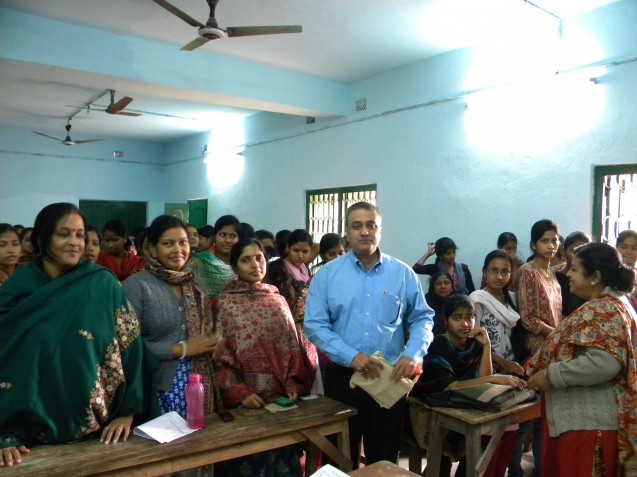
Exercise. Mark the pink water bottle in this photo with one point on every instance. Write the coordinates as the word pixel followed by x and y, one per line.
pixel 194 402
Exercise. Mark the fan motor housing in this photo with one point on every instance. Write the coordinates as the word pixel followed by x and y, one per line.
pixel 212 33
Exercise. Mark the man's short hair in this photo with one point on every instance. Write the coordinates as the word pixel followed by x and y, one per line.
pixel 360 206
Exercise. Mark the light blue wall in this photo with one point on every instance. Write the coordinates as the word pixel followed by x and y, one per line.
pixel 436 175
pixel 35 171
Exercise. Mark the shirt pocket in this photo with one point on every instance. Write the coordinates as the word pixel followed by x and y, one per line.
pixel 392 310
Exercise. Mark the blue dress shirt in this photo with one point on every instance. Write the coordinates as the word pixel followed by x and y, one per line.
pixel 351 310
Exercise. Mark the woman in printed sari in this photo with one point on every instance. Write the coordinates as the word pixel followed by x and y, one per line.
pixel 69 345
pixel 262 358
pixel 445 250
pixel 587 369
pixel 174 314
pixel 214 268
pixel 291 277
pixel 118 256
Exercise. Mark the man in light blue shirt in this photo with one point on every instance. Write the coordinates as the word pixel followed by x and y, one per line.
pixel 358 304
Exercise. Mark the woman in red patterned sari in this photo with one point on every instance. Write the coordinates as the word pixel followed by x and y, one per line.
pixel 587 369
pixel 262 358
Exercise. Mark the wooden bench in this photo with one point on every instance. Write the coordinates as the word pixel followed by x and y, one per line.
pixel 474 423
pixel 252 431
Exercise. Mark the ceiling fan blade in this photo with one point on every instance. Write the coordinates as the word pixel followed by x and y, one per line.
pixel 83 141
pixel 50 137
pixel 126 113
pixel 115 108
pixel 263 30
pixel 176 11
pixel 196 43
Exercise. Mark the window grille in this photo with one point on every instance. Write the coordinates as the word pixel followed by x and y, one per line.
pixel 615 201
pixel 326 208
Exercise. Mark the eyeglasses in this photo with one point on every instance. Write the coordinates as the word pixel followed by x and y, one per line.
pixel 499 273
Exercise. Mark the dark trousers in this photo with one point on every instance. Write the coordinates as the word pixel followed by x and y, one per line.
pixel 378 427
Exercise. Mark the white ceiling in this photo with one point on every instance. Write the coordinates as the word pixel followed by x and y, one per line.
pixel 342 40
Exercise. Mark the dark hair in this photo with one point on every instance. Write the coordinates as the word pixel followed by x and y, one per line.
pixel 207 231
pixel 443 245
pixel 506 237
pixel 246 230
pixel 496 254
pixel 300 236
pixel 576 237
pixel 23 233
pixel 456 301
pixel 360 206
pixel 139 238
pixel 435 277
pixel 505 256
pixel 281 241
pixel 227 221
pixel 264 234
pixel 160 225
pixel 329 241
pixel 4 228
pixel 116 226
pixel 538 229
pixel 45 224
pixel 623 235
pixel 90 228
pixel 237 249
pixel 605 259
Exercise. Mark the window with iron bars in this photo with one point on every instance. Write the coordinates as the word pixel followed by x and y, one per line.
pixel 326 208
pixel 614 201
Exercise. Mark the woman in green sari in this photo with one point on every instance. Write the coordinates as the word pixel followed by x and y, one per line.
pixel 214 268
pixel 70 345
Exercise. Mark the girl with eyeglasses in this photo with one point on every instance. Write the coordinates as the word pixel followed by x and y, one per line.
pixel 496 310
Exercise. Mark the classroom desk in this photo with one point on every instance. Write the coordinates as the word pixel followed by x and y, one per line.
pixel 252 431
pixel 474 423
pixel 382 469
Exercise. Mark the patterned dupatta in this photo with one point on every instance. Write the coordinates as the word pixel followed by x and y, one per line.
pixel 198 321
pixel 459 282
pixel 608 323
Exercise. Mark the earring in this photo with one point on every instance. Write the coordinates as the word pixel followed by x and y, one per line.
pixel 593 283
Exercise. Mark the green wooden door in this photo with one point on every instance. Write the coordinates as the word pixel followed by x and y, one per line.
pixel 198 212
pixel 133 214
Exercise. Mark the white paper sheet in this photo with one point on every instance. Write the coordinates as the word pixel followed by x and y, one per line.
pixel 328 471
pixel 165 428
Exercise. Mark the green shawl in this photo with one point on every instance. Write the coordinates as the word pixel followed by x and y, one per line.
pixel 212 270
pixel 70 352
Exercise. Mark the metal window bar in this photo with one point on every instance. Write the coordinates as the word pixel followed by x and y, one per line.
pixel 619 205
pixel 326 209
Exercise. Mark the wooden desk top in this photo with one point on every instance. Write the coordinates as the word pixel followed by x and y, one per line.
pixel 382 469
pixel 90 457
pixel 525 412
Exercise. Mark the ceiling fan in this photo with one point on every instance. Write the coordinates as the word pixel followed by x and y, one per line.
pixel 117 107
pixel 212 31
pixel 67 141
